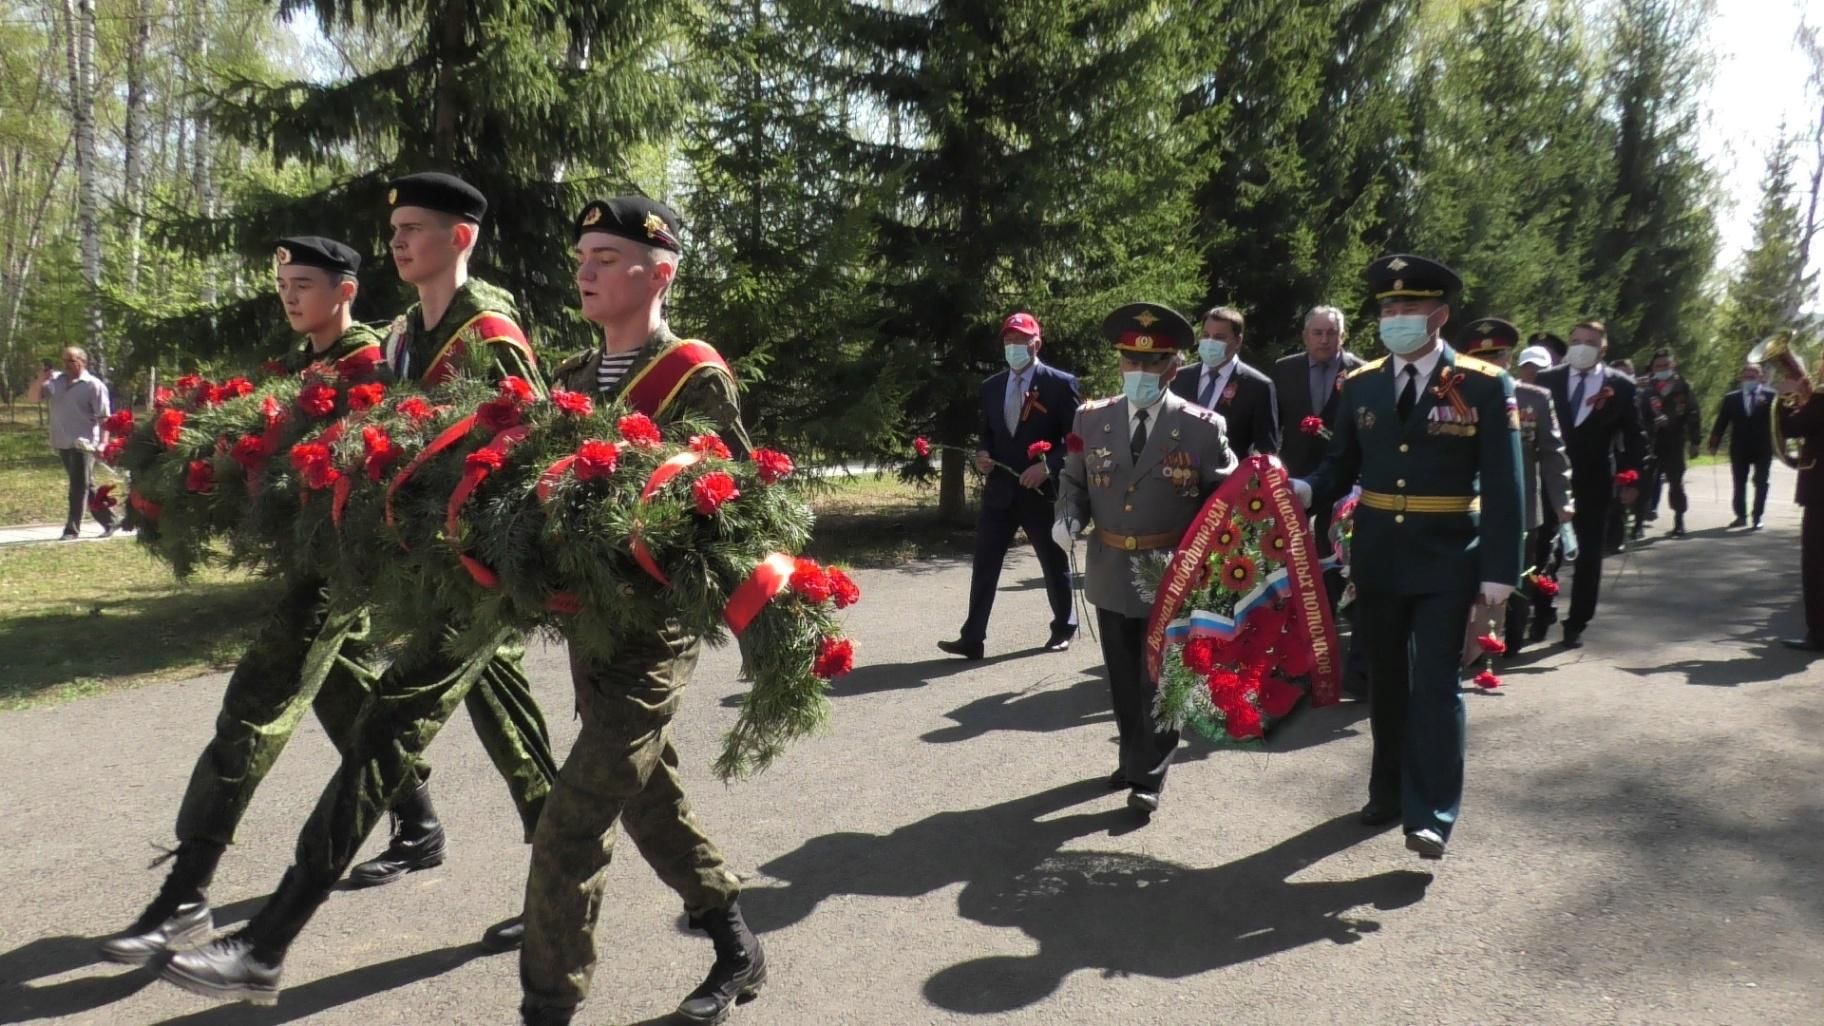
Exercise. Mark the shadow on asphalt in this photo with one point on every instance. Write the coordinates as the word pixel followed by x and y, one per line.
pixel 54 956
pixel 1114 913
pixel 320 995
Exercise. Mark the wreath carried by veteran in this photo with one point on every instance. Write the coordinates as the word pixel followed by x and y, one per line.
pixel 548 513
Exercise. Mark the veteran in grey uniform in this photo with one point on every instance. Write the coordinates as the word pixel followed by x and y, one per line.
pixel 1545 471
pixel 1146 461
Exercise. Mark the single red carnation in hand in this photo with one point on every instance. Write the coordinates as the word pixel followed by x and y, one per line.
pixel 120 422
pixel 638 429
pixel 921 447
pixel 576 404
pixel 835 657
pixel 1073 442
pixel 1242 721
pixel 1037 449
pixel 366 397
pixel 595 459
pixel 234 388
pixel 712 490
pixel 359 364
pixel 378 452
pixel 1200 655
pixel 1548 586
pixel 168 427
pixel 810 581
pixel 110 453
pixel 843 588
pixel 1312 425
pixel 251 452
pixel 515 389
pixel 710 445
pixel 498 414
pixel 485 460
pixel 200 476
pixel 103 499
pixel 1492 645
pixel 317 399
pixel 1628 478
pixel 773 465
pixel 1487 680
pixel 417 409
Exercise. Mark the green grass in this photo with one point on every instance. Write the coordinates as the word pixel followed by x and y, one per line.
pixel 875 522
pixel 80 618
pixel 32 485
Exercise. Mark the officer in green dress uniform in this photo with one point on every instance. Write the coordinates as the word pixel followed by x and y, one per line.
pixel 1434 441
pixel 309 655
pixel 435 219
pixel 1148 460
pixel 623 766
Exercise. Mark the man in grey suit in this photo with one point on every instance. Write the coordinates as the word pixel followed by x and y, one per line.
pixel 1545 471
pixel 1139 467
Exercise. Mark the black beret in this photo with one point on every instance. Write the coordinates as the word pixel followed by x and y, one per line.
pixel 1404 275
pixel 434 190
pixel 646 221
pixel 1148 329
pixel 1488 335
pixel 316 251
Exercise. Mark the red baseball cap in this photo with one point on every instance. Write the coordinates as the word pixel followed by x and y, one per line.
pixel 1024 323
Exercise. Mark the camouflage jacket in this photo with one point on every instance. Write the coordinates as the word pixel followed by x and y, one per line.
pixel 708 395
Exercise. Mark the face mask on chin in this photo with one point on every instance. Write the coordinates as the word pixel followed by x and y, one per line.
pixel 1583 357
pixel 1142 388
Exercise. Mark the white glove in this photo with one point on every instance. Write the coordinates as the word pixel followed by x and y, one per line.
pixel 1495 594
pixel 1064 532
pixel 1303 491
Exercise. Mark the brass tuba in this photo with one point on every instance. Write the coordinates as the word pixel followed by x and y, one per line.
pixel 1779 360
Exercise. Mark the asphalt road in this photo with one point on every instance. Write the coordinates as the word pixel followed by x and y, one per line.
pixel 1640 841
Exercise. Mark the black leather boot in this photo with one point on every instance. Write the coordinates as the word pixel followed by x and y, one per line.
pixel 178 917
pixel 417 842
pixel 245 965
pixel 739 971
pixel 1678 525
pixel 506 935
pixel 546 1016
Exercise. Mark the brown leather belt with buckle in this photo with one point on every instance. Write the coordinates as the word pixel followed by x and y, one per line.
pixel 1136 542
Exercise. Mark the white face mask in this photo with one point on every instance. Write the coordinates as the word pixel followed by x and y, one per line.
pixel 1583 357
pixel 1212 352
pixel 1018 356
pixel 1748 384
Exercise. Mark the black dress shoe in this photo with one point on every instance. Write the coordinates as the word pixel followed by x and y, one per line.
pixel 1739 522
pixel 185 926
pixel 1756 525
pixel 966 649
pixel 417 842
pixel 1060 640
pixel 508 935
pixel 1117 781
pixel 1144 802
pixel 1380 813
pixel 1573 637
pixel 1803 644
pixel 1428 843
pixel 225 970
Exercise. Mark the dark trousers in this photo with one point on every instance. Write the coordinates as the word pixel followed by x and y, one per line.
pixel 79 467
pixel 1415 643
pixel 1146 749
pixel 1811 570
pixel 994 530
pixel 1668 476
pixel 1738 470
pixel 1542 554
pixel 1586 584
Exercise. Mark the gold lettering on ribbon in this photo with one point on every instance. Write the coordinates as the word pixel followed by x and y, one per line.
pixel 1303 564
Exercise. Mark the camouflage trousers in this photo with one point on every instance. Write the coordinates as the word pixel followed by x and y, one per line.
pixel 409 704
pixel 623 767
pixel 308 655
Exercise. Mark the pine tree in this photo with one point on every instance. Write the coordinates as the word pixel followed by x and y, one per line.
pixel 1771 287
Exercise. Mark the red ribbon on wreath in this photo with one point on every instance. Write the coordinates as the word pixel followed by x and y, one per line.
pixel 471 479
pixel 769 578
pixel 662 475
pixel 450 436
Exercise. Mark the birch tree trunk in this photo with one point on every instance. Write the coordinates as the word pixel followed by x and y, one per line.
pixel 79 31
pixel 134 177
pixel 202 182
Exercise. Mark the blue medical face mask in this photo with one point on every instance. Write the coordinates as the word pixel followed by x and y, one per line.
pixel 1404 333
pixel 1142 388
pixel 1212 351
pixel 1664 375
pixel 1018 356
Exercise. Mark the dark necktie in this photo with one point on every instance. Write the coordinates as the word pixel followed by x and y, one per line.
pixel 1207 397
pixel 1138 442
pixel 1409 396
pixel 1577 400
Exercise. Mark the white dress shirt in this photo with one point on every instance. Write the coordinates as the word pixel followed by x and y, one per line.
pixel 1152 417
pixel 1221 373
pixel 1426 364
pixel 1593 381
pixel 1017 384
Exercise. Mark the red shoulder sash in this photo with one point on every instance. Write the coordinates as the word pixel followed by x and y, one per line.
pixel 660 381
pixel 482 329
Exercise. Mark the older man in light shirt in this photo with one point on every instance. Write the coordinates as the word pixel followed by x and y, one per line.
pixel 79 403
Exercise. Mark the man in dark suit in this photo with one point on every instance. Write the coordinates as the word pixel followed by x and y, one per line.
pixel 1222 382
pixel 1801 413
pixel 1308 384
pixel 1599 413
pixel 1026 404
pixel 1746 414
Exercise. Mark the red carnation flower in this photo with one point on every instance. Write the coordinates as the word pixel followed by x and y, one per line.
pixel 251 452
pixel 638 429
pixel 596 458
pixel 485 460
pixel 1239 574
pixel 312 462
pixel 843 588
pixel 1200 655
pixel 921 447
pixel 271 411
pixel 200 477
pixel 835 658
pixel 1037 449
pixel 1487 680
pixel 515 389
pixel 417 409
pixel 317 399
pixel 120 422
pixel 1278 697
pixel 712 490
pixel 773 465
pixel 379 452
pixel 1492 645
pixel 234 388
pixel 188 383
pixel 168 427
pixel 359 364
pixel 576 404
pixel 1242 721
pixel 366 397
pixel 810 581
pixel 498 414
pixel 710 445
pixel 103 499
pixel 1312 425
pixel 1548 586
pixel 1226 687
pixel 110 453
pixel 161 398
pixel 1628 478
pixel 1073 442
pixel 208 394
pixel 1295 660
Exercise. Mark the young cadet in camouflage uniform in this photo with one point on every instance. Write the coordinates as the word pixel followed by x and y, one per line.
pixel 1434 440
pixel 308 655
pixel 1674 430
pixel 435 219
pixel 623 766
